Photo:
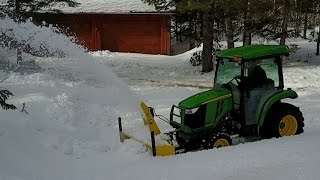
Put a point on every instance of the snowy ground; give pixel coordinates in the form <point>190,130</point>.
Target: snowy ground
<point>70,131</point>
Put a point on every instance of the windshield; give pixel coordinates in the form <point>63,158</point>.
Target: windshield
<point>227,70</point>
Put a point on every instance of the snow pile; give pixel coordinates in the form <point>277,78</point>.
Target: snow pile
<point>71,104</point>
<point>38,38</point>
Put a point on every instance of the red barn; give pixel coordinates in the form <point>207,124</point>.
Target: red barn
<point>115,25</point>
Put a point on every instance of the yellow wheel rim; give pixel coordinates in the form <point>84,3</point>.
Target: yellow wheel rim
<point>288,126</point>
<point>221,143</point>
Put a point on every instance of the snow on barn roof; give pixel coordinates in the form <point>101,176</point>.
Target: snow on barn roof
<point>107,6</point>
<point>100,6</point>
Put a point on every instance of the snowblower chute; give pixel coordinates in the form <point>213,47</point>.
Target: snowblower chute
<point>148,120</point>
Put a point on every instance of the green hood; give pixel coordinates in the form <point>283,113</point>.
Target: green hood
<point>205,97</point>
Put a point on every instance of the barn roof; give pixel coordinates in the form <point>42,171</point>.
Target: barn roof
<point>101,6</point>
<point>107,6</point>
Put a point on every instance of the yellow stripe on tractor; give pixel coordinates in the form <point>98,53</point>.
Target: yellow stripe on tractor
<point>157,150</point>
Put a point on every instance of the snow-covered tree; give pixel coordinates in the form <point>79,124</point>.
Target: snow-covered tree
<point>22,6</point>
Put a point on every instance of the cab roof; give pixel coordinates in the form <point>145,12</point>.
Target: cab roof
<point>251,52</point>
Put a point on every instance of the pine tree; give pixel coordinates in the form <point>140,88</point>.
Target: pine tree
<point>304,10</point>
<point>271,20</point>
<point>232,11</point>
<point>22,9</point>
<point>161,4</point>
<point>200,9</point>
<point>22,6</point>
<point>4,95</point>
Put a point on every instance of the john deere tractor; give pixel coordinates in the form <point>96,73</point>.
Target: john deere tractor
<point>245,104</point>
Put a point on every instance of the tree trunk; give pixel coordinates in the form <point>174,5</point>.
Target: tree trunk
<point>16,6</point>
<point>305,26</point>
<point>176,27</point>
<point>206,58</point>
<point>284,32</point>
<point>191,36</point>
<point>284,25</point>
<point>247,28</point>
<point>229,33</point>
<point>297,24</point>
<point>318,44</point>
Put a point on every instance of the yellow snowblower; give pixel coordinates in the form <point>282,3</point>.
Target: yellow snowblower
<point>148,120</point>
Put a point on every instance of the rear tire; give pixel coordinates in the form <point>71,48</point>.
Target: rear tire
<point>283,120</point>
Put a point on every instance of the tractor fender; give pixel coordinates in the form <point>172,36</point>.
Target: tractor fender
<point>272,100</point>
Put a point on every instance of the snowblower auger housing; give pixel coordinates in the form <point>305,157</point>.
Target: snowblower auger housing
<point>148,120</point>
<point>245,104</point>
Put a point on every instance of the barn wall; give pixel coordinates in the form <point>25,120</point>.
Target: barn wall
<point>138,33</point>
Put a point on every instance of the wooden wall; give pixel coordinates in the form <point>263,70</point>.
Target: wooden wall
<point>136,33</point>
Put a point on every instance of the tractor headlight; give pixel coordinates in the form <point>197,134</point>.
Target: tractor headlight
<point>191,111</point>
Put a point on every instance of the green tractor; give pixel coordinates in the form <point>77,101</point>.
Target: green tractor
<point>244,105</point>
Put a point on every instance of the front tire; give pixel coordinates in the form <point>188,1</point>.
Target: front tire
<point>283,120</point>
<point>221,140</point>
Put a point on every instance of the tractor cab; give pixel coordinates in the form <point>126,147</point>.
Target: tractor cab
<point>256,74</point>
<point>252,74</point>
